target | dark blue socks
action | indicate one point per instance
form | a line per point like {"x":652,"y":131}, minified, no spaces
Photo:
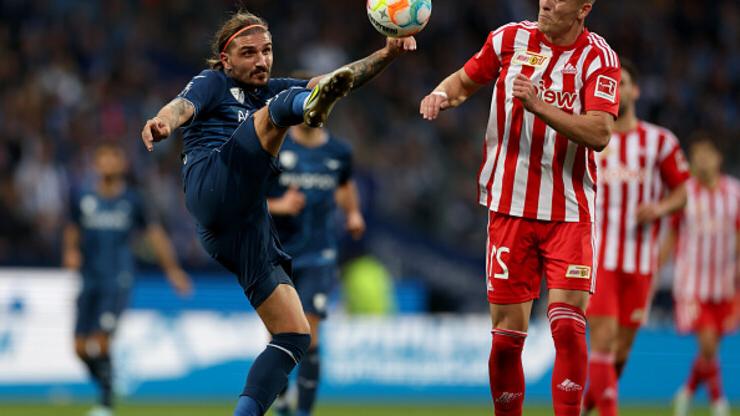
{"x":269,"y":373}
{"x":102,"y":372}
{"x":308,"y":381}
{"x":286,"y":108}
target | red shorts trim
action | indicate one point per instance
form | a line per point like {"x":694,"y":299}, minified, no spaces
{"x":695,"y":316}
{"x":620,"y":295}
{"x":520,"y":251}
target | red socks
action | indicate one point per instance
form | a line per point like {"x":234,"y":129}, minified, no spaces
{"x":706,"y":371}
{"x":602,"y":389}
{"x":568,"y":327}
{"x":505,"y":371}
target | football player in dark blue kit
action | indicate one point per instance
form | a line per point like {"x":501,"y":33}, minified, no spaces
{"x":316,"y":177}
{"x":97,"y":242}
{"x":234,"y":119}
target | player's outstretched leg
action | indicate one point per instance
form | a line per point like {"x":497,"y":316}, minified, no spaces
{"x":283,"y":316}
{"x":323,"y":97}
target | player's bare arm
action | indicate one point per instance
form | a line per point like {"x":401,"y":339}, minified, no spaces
{"x":450,"y":93}
{"x":72,"y":256}
{"x":674,"y":201}
{"x":348,"y":199}
{"x":173,"y":115}
{"x":166,"y":256}
{"x":593,"y":129}
{"x":369,"y":67}
{"x":290,"y":203}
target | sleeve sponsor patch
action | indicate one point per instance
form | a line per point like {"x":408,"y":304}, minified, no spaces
{"x":606,"y":88}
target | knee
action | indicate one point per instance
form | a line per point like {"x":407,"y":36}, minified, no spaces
{"x":294,"y":343}
{"x":81,"y":348}
{"x":603,"y":337}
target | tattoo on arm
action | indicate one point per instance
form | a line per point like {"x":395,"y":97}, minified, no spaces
{"x":177,"y":112}
{"x":367,"y":68}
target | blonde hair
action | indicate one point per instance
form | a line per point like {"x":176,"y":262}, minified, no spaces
{"x":235,"y":23}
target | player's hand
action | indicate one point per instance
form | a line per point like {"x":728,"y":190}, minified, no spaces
{"x":155,"y":130}
{"x":397,"y":46}
{"x":648,"y":213}
{"x":72,"y":259}
{"x":433,"y":103}
{"x":180,"y":281}
{"x":526,"y":92}
{"x":356,"y":224}
{"x":291,"y":203}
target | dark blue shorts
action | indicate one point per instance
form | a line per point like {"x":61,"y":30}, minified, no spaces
{"x":99,"y":309}
{"x":225,"y":190}
{"x":314,"y":285}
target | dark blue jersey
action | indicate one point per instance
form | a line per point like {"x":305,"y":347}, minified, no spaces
{"x":221,"y":104}
{"x":106,"y":226}
{"x":311,"y":237}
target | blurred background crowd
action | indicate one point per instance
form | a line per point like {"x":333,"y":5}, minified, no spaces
{"x":78,"y":73}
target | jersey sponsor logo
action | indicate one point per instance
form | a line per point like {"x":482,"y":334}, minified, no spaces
{"x":242,"y":115}
{"x":578,"y":272}
{"x":561,"y":99}
{"x":622,"y":174}
{"x":606,"y":88}
{"x":238,"y":94}
{"x":318,"y":181}
{"x":527,"y":58}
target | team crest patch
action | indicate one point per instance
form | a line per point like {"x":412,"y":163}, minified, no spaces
{"x":578,"y":272}
{"x":606,"y":88}
{"x":527,"y":58}
{"x":238,"y":94}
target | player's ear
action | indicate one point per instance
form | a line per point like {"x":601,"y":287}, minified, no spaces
{"x":636,"y":91}
{"x":225,"y":60}
{"x":585,"y":10}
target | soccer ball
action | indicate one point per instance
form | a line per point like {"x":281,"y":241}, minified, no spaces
{"x":399,"y":18}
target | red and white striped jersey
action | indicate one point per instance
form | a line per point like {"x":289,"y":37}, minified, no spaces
{"x":706,"y":253}
{"x":529,"y":170}
{"x":634,"y":169}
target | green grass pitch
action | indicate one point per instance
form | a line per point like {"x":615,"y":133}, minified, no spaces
{"x":326,"y":410}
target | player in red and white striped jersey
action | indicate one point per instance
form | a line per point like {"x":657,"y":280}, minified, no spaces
{"x":641,"y":179}
{"x":706,"y":235}
{"x":555,"y":99}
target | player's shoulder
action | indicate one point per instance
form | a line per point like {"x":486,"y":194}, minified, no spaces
{"x":513,"y":27}
{"x":338,"y":146}
{"x":658,"y":131}
{"x":732,"y":184}
{"x":603,"y":50}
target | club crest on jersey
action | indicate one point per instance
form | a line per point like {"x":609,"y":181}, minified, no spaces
{"x":578,"y":272}
{"x":527,"y":58}
{"x":288,"y":159}
{"x":238,"y":94}
{"x":606,"y":88}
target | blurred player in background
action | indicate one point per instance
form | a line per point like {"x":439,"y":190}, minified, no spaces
{"x":554,"y":102}
{"x":641,"y":179}
{"x":316,"y":177}
{"x":706,"y":238}
{"x":234,"y":119}
{"x":97,"y":242}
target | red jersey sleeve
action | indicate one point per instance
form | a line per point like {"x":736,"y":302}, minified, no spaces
{"x":674,"y":170}
{"x":484,"y":66}
{"x":602,"y":90}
